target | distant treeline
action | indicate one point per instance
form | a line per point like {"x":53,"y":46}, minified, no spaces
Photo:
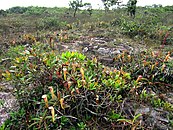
{"x":35,"y":10}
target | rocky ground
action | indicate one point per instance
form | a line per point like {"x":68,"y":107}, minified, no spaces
{"x":105,"y":49}
{"x":8,"y":102}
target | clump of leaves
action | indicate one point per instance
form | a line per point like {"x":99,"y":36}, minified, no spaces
{"x":155,"y":67}
{"x":68,"y":90}
{"x":80,"y":89}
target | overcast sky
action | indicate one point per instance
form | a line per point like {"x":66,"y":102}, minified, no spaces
{"x":5,"y":4}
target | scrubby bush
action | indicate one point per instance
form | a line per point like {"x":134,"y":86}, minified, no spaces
{"x":77,"y":86}
{"x":35,"y":10}
{"x":17,"y":9}
{"x":50,"y":22}
{"x":68,"y":90}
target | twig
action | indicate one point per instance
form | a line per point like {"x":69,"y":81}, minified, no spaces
{"x":91,"y":112}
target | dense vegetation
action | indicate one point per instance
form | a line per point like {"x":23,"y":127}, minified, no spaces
{"x":68,"y":90}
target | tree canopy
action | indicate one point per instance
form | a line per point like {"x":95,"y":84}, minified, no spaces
{"x":76,"y":4}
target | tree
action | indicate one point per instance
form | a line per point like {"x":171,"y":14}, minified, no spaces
{"x":156,"y":6}
{"x":131,"y":7}
{"x":3,"y":12}
{"x":88,"y":8}
{"x":109,"y":3}
{"x":76,"y":4}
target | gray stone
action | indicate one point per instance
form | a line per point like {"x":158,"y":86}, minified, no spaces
{"x":8,"y":102}
{"x":6,"y":87}
{"x":103,"y":51}
{"x":95,"y":47}
{"x":98,"y":40}
{"x":85,"y":50}
{"x":170,"y":97}
{"x":144,"y":110}
{"x":160,"y":126}
{"x":115,"y":52}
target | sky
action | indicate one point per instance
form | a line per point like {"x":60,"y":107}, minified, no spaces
{"x":6,"y":4}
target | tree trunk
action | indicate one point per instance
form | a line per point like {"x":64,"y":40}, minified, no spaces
{"x":75,"y":12}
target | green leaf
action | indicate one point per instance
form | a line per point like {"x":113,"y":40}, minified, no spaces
{"x":127,"y":75}
{"x":125,"y":120}
{"x":136,"y":117}
{"x":33,"y":124}
{"x":115,"y":116}
{"x":22,"y":79}
{"x":48,"y":117}
{"x":36,"y":119}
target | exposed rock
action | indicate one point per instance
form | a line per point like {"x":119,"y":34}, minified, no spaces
{"x":161,"y":126}
{"x":85,"y":50}
{"x":6,"y":87}
{"x":103,"y":51}
{"x":153,"y":118}
{"x":100,"y":46}
{"x":95,"y":47}
{"x":98,"y":40}
{"x":170,"y":97}
{"x":115,"y":52}
{"x":7,"y":102}
{"x":107,"y":61}
{"x":144,"y":110}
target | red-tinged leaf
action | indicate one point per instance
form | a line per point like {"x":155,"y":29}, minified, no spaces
{"x":58,"y":74}
{"x":73,"y":80}
{"x":66,"y":85}
{"x":50,"y":78}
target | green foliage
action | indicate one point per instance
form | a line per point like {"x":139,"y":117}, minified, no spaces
{"x":1,"y":103}
{"x":35,"y":10}
{"x":131,"y":7}
{"x":140,"y":28}
{"x":15,"y":117}
{"x":50,"y":22}
{"x":82,"y":126}
{"x":168,"y":8}
{"x":114,"y":116}
{"x":155,"y":67}
{"x":72,"y":56}
{"x":133,"y":122}
{"x":31,"y":10}
{"x":76,"y":4}
{"x":71,"y":74}
{"x":3,"y":12}
{"x":17,"y":9}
